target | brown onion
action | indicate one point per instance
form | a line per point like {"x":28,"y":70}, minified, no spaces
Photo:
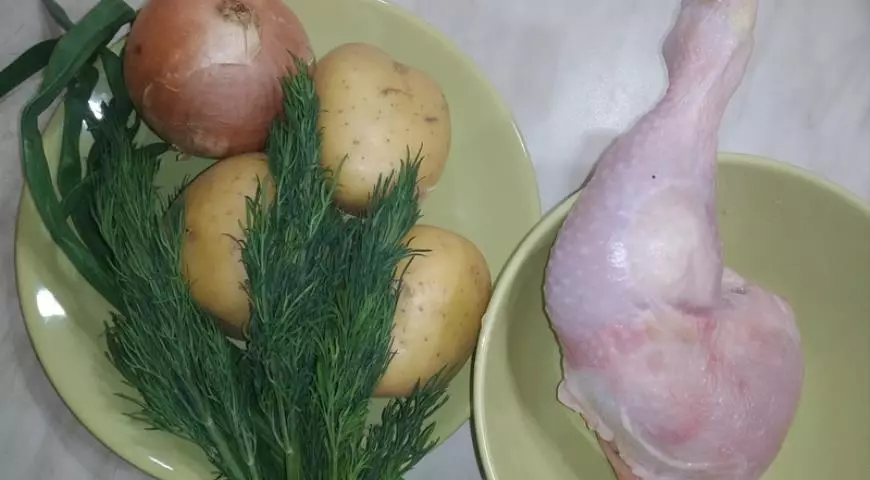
{"x":204,"y":74}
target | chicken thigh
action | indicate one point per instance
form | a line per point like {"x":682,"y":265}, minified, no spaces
{"x":683,"y":367}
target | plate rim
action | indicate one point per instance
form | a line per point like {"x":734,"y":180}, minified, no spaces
{"x":28,"y":309}
{"x":533,"y":237}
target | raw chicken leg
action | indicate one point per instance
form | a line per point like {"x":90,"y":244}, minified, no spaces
{"x":688,"y":370}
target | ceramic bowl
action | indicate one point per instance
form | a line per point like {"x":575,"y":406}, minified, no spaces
{"x":791,"y":232}
{"x":488,"y":193}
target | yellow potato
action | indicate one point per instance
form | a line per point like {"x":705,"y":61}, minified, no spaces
{"x":215,"y":212}
{"x":444,"y":295}
{"x":373,"y":110}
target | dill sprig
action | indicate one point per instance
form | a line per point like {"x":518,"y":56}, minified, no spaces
{"x":323,"y":293}
{"x":189,"y":376}
{"x":289,"y":251}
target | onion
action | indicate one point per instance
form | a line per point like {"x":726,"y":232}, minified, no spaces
{"x":205,"y":74}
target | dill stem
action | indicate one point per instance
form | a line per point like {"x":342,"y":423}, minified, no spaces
{"x":291,"y":465}
{"x":253,"y":466}
{"x":290,"y":442}
{"x":227,"y":456}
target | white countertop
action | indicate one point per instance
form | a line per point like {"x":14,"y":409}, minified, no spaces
{"x":575,"y":72}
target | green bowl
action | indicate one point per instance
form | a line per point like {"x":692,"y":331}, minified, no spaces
{"x":488,"y":193}
{"x":795,"y":234}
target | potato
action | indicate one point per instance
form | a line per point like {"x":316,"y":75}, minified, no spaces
{"x":444,"y":295}
{"x":215,"y":212}
{"x":373,"y":110}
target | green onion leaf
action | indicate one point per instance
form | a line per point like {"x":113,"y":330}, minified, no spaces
{"x":58,"y":14}
{"x":114,"y":69}
{"x":69,"y":169}
{"x":70,"y":54}
{"x":26,"y":66}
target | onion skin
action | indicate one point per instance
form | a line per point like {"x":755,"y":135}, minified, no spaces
{"x":205,"y":74}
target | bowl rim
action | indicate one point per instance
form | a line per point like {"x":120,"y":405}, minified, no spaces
{"x":451,"y":48}
{"x":555,"y":215}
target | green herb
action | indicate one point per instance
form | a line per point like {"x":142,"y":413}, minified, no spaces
{"x":186,"y":372}
{"x":323,"y":297}
{"x":26,"y":65}
{"x":58,"y":14}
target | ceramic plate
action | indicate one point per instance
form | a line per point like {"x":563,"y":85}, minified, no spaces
{"x":795,"y":234}
{"x":488,"y":193}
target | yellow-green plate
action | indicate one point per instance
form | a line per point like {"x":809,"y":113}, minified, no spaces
{"x":782,"y":227}
{"x":488,"y":193}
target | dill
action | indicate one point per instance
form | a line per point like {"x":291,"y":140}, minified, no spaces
{"x":189,"y":377}
{"x":323,"y":294}
{"x":293,"y":404}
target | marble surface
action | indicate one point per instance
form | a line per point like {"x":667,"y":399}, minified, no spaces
{"x":575,"y":72}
